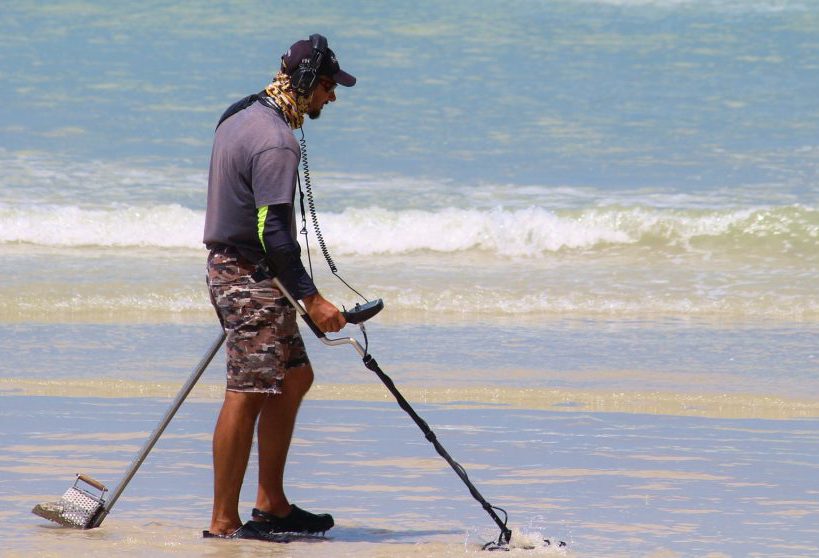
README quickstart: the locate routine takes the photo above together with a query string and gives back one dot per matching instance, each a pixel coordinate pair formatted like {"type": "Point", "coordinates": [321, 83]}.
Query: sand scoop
{"type": "Point", "coordinates": [87, 502]}
{"type": "Point", "coordinates": [84, 505]}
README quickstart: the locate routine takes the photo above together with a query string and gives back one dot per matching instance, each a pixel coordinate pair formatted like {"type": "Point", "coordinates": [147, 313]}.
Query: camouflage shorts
{"type": "Point", "coordinates": [263, 341]}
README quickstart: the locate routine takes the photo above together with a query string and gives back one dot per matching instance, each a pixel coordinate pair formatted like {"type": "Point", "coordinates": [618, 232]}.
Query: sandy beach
{"type": "Point", "coordinates": [608, 484]}
{"type": "Point", "coordinates": [610, 478]}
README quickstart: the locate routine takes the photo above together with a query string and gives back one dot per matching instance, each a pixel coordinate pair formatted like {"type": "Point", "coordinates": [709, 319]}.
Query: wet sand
{"type": "Point", "coordinates": [608, 483]}
{"type": "Point", "coordinates": [714, 405]}
{"type": "Point", "coordinates": [628, 439]}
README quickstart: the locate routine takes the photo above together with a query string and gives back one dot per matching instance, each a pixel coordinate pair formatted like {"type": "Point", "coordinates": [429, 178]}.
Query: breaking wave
{"type": "Point", "coordinates": [533, 231]}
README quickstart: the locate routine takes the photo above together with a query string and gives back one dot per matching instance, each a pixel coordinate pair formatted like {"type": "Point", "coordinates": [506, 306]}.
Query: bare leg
{"type": "Point", "coordinates": [276, 423]}
{"type": "Point", "coordinates": [232, 439]}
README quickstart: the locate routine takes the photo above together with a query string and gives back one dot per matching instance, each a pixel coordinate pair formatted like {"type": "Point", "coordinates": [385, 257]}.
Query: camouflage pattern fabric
{"type": "Point", "coordinates": [263, 341]}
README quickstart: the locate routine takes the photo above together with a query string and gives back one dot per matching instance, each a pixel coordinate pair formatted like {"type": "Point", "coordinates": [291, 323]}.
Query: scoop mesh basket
{"type": "Point", "coordinates": [77, 508]}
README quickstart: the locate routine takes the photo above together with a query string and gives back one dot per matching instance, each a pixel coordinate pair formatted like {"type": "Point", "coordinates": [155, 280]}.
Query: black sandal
{"type": "Point", "coordinates": [252, 530]}
{"type": "Point", "coordinates": [297, 521]}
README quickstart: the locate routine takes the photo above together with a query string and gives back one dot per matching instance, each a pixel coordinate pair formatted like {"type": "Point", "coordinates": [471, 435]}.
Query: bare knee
{"type": "Point", "coordinates": [243, 402]}
{"type": "Point", "coordinates": [239, 411]}
{"type": "Point", "coordinates": [297, 382]}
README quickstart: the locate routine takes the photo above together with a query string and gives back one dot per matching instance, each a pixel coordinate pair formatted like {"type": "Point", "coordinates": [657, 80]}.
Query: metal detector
{"type": "Point", "coordinates": [358, 316]}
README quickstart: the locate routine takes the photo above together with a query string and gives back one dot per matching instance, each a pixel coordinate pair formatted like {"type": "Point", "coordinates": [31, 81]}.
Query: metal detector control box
{"type": "Point", "coordinates": [363, 312]}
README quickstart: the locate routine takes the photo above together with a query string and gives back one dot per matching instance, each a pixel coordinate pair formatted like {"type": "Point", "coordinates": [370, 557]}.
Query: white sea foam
{"type": "Point", "coordinates": [531, 231]}
{"type": "Point", "coordinates": [164, 226]}
{"type": "Point", "coordinates": [519, 232]}
{"type": "Point", "coordinates": [535, 231]}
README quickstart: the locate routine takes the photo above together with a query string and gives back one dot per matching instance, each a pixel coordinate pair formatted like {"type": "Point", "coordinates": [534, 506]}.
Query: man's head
{"type": "Point", "coordinates": [307, 79]}
{"type": "Point", "coordinates": [307, 61]}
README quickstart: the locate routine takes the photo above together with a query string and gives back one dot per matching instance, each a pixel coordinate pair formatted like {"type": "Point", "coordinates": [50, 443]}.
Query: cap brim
{"type": "Point", "coordinates": [343, 78]}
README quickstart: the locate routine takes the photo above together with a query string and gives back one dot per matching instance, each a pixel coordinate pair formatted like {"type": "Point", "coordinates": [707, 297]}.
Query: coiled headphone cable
{"type": "Point", "coordinates": [311, 203]}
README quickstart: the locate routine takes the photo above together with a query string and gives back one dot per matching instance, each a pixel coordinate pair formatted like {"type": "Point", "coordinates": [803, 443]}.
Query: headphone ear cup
{"type": "Point", "coordinates": [304, 79]}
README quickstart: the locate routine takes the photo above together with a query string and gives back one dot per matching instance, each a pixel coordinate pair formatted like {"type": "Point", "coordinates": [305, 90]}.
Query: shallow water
{"type": "Point", "coordinates": [609, 484]}
{"type": "Point", "coordinates": [607, 357]}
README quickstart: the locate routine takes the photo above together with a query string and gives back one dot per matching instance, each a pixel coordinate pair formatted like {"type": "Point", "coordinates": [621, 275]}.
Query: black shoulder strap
{"type": "Point", "coordinates": [240, 105]}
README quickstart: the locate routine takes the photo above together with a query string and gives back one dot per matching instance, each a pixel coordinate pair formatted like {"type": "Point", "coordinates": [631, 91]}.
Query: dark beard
{"type": "Point", "coordinates": [314, 114]}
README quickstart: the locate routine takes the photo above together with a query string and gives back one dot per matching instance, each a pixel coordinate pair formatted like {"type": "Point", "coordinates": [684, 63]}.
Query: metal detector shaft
{"type": "Point", "coordinates": [371, 364]}
{"type": "Point", "coordinates": [160, 428]}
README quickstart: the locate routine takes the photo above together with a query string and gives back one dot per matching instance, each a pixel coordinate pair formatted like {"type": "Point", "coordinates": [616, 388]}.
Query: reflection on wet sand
{"type": "Point", "coordinates": [613, 484]}
{"type": "Point", "coordinates": [716, 405]}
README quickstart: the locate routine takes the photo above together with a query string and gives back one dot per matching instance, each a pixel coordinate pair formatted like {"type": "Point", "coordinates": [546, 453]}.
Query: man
{"type": "Point", "coordinates": [249, 228]}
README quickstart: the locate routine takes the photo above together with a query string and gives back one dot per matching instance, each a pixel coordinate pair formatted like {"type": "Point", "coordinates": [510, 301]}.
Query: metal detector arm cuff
{"type": "Point", "coordinates": [312, 325]}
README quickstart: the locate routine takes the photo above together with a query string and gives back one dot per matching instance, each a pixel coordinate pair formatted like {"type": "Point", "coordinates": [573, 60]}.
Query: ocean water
{"type": "Point", "coordinates": [574, 206]}
{"type": "Point", "coordinates": [633, 158]}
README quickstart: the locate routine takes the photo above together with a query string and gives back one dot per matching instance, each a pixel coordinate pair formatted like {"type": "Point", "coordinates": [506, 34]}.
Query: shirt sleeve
{"type": "Point", "coordinates": [273, 176]}
{"type": "Point", "coordinates": [282, 252]}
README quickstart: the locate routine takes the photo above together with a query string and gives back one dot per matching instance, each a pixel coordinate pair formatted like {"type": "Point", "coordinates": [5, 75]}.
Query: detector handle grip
{"type": "Point", "coordinates": [360, 315]}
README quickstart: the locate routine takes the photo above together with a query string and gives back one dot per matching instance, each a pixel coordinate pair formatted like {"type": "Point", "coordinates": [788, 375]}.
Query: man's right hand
{"type": "Point", "coordinates": [323, 313]}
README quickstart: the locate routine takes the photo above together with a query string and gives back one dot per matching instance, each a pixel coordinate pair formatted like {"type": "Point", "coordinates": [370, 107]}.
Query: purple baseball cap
{"type": "Point", "coordinates": [301, 50]}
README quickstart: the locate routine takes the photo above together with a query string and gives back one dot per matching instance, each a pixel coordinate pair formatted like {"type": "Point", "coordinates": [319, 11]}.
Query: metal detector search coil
{"type": "Point", "coordinates": [78, 507]}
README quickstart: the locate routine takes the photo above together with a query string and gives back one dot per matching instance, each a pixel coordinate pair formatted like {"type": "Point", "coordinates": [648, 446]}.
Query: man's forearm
{"type": "Point", "coordinates": [282, 252]}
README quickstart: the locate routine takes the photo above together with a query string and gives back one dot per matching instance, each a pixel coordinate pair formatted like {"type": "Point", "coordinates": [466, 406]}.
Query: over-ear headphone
{"type": "Point", "coordinates": [304, 79]}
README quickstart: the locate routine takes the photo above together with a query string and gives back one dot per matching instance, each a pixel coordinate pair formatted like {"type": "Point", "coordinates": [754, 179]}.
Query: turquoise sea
{"type": "Point", "coordinates": [591, 217]}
